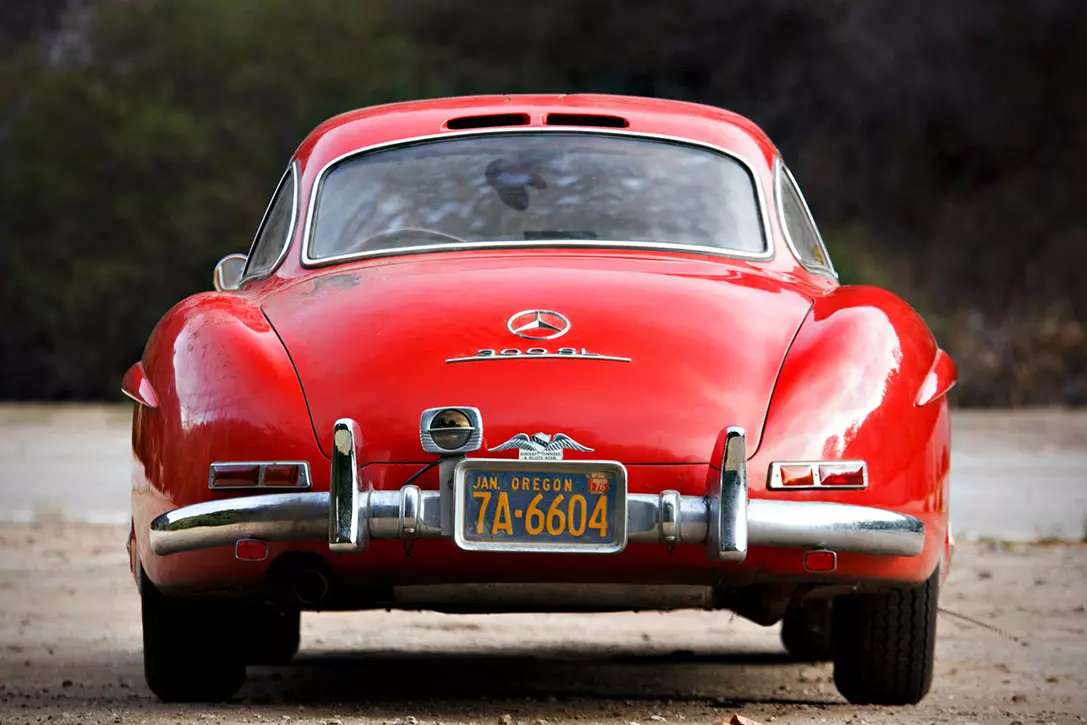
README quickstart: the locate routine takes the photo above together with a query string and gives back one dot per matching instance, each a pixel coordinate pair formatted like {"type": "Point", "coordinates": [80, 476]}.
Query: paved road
{"type": "Point", "coordinates": [1017, 475]}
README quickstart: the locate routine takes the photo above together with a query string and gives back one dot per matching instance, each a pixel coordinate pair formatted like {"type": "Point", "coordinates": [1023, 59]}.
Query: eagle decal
{"type": "Point", "coordinates": [540, 446]}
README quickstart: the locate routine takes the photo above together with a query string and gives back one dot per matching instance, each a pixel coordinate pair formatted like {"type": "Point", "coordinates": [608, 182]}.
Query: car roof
{"type": "Point", "coordinates": [365, 127]}
{"type": "Point", "coordinates": [356, 131]}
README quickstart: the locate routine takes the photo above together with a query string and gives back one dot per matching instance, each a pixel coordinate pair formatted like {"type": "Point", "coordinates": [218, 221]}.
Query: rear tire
{"type": "Point", "coordinates": [806, 631]}
{"type": "Point", "coordinates": [189, 652]}
{"type": "Point", "coordinates": [884, 645]}
{"type": "Point", "coordinates": [273, 635]}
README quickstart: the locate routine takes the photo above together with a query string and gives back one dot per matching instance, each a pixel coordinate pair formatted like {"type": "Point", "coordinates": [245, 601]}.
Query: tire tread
{"type": "Point", "coordinates": [884, 645]}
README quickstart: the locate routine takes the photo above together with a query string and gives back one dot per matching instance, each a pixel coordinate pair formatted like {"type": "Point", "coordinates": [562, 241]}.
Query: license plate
{"type": "Point", "coordinates": [577, 507]}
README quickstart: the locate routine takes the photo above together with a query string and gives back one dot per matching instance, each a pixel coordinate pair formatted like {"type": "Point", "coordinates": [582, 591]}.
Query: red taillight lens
{"type": "Point", "coordinates": [235, 475]}
{"type": "Point", "coordinates": [842, 474]}
{"type": "Point", "coordinates": [251, 550]}
{"type": "Point", "coordinates": [820, 560]}
{"type": "Point", "coordinates": [282, 475]}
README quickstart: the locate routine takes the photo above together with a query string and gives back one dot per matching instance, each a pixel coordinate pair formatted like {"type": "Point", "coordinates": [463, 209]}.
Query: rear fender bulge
{"type": "Point", "coordinates": [847, 390]}
{"type": "Point", "coordinates": [226, 392]}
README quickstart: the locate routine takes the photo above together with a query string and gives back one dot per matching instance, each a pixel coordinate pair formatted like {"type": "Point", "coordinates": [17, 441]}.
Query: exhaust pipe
{"type": "Point", "coordinates": [310, 587]}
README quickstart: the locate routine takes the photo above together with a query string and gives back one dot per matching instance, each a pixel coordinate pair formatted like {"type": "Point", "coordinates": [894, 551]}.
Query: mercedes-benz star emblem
{"type": "Point", "coordinates": [538, 324]}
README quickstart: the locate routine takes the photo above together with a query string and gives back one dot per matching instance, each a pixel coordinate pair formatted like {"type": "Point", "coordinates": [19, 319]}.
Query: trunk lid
{"type": "Point", "coordinates": [705, 339]}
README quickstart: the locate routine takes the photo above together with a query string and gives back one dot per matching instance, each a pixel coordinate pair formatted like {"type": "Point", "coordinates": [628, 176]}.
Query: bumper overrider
{"type": "Point", "coordinates": [725, 520]}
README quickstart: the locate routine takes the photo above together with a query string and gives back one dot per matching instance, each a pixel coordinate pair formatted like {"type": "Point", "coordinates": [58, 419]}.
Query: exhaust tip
{"type": "Point", "coordinates": [311, 587]}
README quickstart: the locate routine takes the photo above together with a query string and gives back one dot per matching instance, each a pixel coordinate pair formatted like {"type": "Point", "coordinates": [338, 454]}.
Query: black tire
{"type": "Point", "coordinates": [273, 635]}
{"type": "Point", "coordinates": [884, 645]}
{"type": "Point", "coordinates": [189, 648]}
{"type": "Point", "coordinates": [806, 631]}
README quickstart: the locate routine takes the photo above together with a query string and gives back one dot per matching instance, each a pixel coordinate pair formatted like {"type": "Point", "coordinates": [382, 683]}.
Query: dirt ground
{"type": "Point", "coordinates": [70, 653]}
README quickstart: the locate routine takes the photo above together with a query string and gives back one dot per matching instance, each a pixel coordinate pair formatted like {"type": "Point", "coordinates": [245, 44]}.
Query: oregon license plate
{"type": "Point", "coordinates": [548, 506]}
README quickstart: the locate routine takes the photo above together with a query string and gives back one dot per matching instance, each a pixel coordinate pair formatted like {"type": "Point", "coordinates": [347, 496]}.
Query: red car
{"type": "Point", "coordinates": [539, 353]}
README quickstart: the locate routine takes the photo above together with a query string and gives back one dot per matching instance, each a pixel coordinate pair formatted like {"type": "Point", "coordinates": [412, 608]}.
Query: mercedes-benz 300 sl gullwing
{"type": "Point", "coordinates": [539, 353]}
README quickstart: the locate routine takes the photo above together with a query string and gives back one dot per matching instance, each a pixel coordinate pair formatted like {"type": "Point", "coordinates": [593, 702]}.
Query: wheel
{"type": "Point", "coordinates": [884, 644]}
{"type": "Point", "coordinates": [806, 631]}
{"type": "Point", "coordinates": [272, 635]}
{"type": "Point", "coordinates": [188, 648]}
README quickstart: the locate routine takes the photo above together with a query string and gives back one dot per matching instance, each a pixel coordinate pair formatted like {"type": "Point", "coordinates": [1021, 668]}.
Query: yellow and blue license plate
{"type": "Point", "coordinates": [546, 506]}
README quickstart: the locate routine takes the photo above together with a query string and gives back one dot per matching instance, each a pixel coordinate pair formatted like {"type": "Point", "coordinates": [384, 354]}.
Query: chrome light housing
{"type": "Point", "coordinates": [451, 430]}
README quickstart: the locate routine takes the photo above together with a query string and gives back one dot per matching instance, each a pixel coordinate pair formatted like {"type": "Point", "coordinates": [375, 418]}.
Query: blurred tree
{"type": "Point", "coordinates": [938, 143]}
{"type": "Point", "coordinates": [147, 148]}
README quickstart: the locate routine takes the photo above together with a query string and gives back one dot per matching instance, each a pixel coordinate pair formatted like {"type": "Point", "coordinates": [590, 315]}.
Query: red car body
{"type": "Point", "coordinates": [810, 370]}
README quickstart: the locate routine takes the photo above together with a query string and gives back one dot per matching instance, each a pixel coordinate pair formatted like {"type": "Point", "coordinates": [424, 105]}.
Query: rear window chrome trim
{"type": "Point", "coordinates": [296, 197]}
{"type": "Point", "coordinates": [763, 206]}
{"type": "Point", "coordinates": [780, 172]}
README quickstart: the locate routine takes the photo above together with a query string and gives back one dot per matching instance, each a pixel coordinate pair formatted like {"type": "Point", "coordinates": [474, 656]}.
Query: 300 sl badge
{"type": "Point", "coordinates": [540, 446]}
{"type": "Point", "coordinates": [513, 353]}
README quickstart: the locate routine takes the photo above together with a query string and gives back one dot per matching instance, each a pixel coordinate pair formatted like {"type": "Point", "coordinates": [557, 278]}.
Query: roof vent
{"type": "Point", "coordinates": [585, 119]}
{"type": "Point", "coordinates": [488, 121]}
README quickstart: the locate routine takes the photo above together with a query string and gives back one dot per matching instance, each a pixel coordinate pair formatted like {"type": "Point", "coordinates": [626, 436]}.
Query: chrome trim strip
{"type": "Point", "coordinates": [475, 440]}
{"type": "Point", "coordinates": [296, 199]}
{"type": "Point", "coordinates": [304, 480]}
{"type": "Point", "coordinates": [728, 503]}
{"type": "Point", "coordinates": [344, 532]}
{"type": "Point", "coordinates": [781, 169]}
{"type": "Point", "coordinates": [764, 218]}
{"type": "Point", "coordinates": [533, 356]}
{"type": "Point", "coordinates": [550, 547]}
{"type": "Point", "coordinates": [773, 478]}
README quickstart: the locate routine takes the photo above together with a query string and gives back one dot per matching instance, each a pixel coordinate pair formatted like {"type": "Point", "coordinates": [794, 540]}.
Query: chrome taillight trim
{"type": "Point", "coordinates": [305, 481]}
{"type": "Point", "coordinates": [773, 478]}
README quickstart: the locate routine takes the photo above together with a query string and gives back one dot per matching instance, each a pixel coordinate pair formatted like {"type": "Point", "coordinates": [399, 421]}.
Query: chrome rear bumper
{"type": "Point", "coordinates": [724, 520]}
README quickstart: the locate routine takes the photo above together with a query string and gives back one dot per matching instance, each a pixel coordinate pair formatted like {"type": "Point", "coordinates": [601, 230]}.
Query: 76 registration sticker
{"type": "Point", "coordinates": [598, 482]}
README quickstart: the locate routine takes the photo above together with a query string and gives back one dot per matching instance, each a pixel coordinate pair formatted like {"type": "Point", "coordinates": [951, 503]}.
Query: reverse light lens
{"type": "Point", "coordinates": [450, 429]}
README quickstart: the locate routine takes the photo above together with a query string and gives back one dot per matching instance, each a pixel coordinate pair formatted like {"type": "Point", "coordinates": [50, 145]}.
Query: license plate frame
{"type": "Point", "coordinates": [618, 518]}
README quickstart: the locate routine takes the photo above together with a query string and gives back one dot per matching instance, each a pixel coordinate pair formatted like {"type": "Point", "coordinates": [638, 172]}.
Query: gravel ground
{"type": "Point", "coordinates": [70, 653]}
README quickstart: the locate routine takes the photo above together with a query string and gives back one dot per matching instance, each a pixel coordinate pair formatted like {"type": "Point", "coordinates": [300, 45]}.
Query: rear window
{"type": "Point", "coordinates": [535, 188]}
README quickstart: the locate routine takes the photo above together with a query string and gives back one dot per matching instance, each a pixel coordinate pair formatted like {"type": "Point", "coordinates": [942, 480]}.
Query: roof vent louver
{"type": "Point", "coordinates": [585, 119]}
{"type": "Point", "coordinates": [488, 121]}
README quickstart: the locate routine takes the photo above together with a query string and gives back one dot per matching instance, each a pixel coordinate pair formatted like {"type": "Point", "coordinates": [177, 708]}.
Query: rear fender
{"type": "Point", "coordinates": [226, 391]}
{"type": "Point", "coordinates": [849, 389]}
